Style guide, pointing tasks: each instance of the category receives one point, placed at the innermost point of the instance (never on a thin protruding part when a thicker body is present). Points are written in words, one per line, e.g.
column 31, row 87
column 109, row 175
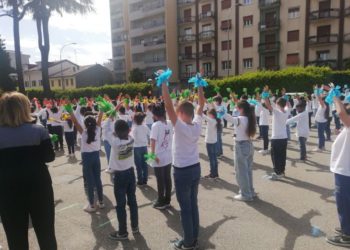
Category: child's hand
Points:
column 157, row 160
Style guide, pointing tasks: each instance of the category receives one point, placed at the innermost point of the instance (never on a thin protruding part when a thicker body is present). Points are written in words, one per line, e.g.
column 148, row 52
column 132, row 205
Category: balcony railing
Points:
column 185, row 2
column 187, row 75
column 207, row 54
column 269, row 47
column 269, row 25
column 152, row 43
column 332, row 63
column 206, row 15
column 152, row 25
column 153, row 6
column 265, row 4
column 206, row 35
column 187, row 57
column 209, row 74
column 185, row 20
column 187, row 38
column 347, row 38
column 321, row 40
column 155, row 60
column 324, row 14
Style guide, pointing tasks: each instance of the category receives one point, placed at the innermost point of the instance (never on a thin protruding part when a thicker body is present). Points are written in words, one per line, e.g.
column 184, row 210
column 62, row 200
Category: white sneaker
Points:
column 109, row 171
column 263, row 152
column 317, row 150
column 276, row 177
column 101, row 205
column 89, row 209
column 239, row 197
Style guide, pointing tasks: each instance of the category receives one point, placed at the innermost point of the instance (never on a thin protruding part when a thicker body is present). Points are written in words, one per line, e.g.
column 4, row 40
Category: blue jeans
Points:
column 219, row 149
column 186, row 185
column 265, row 135
column 336, row 120
column 244, row 152
column 342, row 196
column 321, row 127
column 213, row 160
column 141, row 164
column 107, row 149
column 125, row 187
column 288, row 132
column 302, row 144
column 92, row 174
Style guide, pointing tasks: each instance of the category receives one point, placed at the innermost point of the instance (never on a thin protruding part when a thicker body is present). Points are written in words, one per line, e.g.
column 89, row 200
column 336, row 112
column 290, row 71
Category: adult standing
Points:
column 25, row 148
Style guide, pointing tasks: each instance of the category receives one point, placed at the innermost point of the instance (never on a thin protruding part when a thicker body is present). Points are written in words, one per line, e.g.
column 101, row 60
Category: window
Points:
column 247, row 2
column 226, row 24
column 248, row 63
column 226, row 64
column 71, row 82
column 206, row 8
column 322, row 55
column 292, row 59
column 59, row 83
column 67, row 83
column 225, row 4
column 206, row 47
column 26, row 84
column 33, row 83
column 188, row 31
column 189, row 68
column 206, row 27
column 207, row 69
column 40, row 83
column 73, row 69
column 294, row 13
column 293, row 36
column 188, row 50
column 247, row 21
column 247, row 42
column 52, row 83
column 226, row 45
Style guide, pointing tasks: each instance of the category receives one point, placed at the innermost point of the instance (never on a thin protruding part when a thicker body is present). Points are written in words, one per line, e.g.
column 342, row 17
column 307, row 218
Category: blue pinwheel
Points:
column 334, row 92
column 265, row 95
column 162, row 77
column 198, row 81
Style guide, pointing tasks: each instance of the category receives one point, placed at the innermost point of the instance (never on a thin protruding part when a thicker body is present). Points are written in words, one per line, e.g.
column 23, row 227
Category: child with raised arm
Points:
column 187, row 172
column 340, row 166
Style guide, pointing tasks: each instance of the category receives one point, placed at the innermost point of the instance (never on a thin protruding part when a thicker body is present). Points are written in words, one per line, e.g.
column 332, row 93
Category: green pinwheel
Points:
column 150, row 158
column 217, row 89
column 104, row 105
column 54, row 138
column 186, row 93
column 82, row 101
column 173, row 96
column 257, row 90
column 68, row 108
column 225, row 99
column 229, row 90
column 210, row 100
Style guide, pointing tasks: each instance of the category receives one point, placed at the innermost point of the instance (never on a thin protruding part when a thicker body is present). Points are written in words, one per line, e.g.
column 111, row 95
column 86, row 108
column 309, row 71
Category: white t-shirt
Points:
column 122, row 151
column 140, row 133
column 162, row 133
column 125, row 117
column 185, row 143
column 264, row 116
column 240, row 125
column 93, row 146
column 107, row 125
column 320, row 114
column 66, row 127
column 279, row 120
column 211, row 134
column 340, row 157
column 55, row 118
column 309, row 106
column 149, row 118
column 302, row 120
column 257, row 109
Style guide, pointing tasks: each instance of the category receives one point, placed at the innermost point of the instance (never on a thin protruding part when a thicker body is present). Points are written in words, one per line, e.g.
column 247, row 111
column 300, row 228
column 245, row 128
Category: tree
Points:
column 136, row 75
column 42, row 10
column 16, row 9
column 6, row 84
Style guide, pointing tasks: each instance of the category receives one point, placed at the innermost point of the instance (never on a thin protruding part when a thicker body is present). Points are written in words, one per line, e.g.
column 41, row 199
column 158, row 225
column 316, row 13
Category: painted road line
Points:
column 68, row 207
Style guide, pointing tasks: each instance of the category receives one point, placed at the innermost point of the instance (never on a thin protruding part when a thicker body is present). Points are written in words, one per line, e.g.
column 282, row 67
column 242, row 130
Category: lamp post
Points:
column 64, row 46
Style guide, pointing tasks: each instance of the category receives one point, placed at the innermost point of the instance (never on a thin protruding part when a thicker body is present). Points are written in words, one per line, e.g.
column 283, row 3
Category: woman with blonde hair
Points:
column 25, row 148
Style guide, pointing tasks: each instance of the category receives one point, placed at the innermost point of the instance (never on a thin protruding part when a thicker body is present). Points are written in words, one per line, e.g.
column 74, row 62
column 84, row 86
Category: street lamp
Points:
column 64, row 46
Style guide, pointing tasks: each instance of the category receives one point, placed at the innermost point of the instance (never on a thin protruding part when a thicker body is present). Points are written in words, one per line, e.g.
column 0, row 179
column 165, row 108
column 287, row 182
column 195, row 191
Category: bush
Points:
column 113, row 91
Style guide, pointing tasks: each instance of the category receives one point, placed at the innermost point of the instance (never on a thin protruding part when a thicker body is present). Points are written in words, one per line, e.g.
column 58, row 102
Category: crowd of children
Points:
column 164, row 133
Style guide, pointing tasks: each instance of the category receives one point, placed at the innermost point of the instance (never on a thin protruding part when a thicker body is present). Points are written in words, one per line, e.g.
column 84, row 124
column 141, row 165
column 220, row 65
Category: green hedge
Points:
column 113, row 91
column 294, row 79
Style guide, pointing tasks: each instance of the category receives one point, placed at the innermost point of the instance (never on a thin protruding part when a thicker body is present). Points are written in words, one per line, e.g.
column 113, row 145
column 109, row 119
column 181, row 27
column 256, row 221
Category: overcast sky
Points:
column 91, row 32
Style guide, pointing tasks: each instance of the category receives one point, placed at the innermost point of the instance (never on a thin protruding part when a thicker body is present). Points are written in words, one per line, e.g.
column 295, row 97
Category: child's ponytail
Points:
column 90, row 124
column 249, row 112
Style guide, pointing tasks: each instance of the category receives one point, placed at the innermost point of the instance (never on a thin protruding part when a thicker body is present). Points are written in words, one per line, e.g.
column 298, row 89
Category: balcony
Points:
column 153, row 27
column 187, row 75
column 207, row 35
column 186, row 20
column 207, row 54
column 347, row 38
column 154, row 45
column 324, row 14
column 185, row 2
column 206, row 15
column 187, row 38
column 209, row 74
column 187, row 57
column 269, row 47
column 265, row 26
column 154, row 61
column 332, row 63
column 269, row 4
column 323, row 40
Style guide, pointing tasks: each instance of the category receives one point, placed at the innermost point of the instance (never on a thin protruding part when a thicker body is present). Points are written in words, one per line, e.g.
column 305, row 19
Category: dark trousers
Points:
column 92, row 174
column 265, row 135
column 70, row 140
column 342, row 196
column 24, row 200
column 186, row 185
column 58, row 130
column 257, row 122
column 336, row 120
column 279, row 155
column 302, row 144
column 125, row 192
column 164, row 183
column 213, row 159
column 141, row 164
column 321, row 127
column 310, row 116
column 219, row 149
column 328, row 128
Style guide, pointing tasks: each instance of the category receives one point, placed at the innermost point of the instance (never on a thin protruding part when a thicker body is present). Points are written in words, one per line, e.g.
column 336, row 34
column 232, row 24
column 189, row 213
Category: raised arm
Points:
column 268, row 104
column 201, row 101
column 343, row 115
column 99, row 119
column 169, row 104
column 76, row 123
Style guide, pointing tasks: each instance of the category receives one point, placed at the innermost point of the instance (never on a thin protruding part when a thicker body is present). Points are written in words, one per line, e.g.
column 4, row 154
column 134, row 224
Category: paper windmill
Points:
column 334, row 92
column 68, row 108
column 150, row 158
column 163, row 77
column 198, row 81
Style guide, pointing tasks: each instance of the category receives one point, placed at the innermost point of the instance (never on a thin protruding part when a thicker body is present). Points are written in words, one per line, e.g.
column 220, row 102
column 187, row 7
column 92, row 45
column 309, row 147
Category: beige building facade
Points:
column 228, row 37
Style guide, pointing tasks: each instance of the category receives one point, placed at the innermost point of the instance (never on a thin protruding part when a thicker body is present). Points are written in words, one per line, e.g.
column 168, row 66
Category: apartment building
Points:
column 229, row 37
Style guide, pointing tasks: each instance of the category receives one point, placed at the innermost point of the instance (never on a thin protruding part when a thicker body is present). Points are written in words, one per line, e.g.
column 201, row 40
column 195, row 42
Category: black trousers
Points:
column 21, row 202
column 164, row 183
column 265, row 135
column 279, row 155
column 70, row 140
column 58, row 130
